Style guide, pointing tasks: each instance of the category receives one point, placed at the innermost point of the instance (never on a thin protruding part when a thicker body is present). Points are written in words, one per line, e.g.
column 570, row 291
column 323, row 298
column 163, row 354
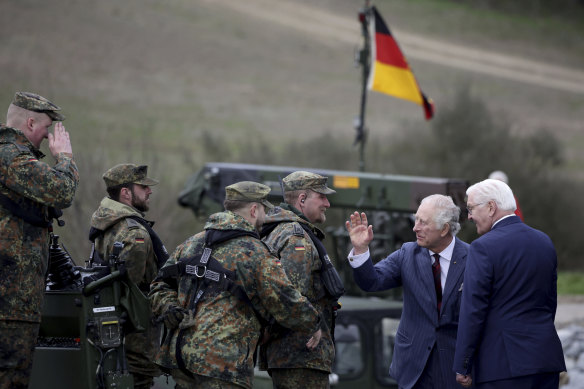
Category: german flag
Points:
column 390, row 72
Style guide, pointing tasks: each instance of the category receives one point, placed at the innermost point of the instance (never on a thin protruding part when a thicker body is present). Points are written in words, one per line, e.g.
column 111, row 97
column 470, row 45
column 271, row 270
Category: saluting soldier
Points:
column 217, row 290
column 29, row 188
column 120, row 218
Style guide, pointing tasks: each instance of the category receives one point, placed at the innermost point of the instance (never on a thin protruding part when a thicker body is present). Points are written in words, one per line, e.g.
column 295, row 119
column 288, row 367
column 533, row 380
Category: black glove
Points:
column 174, row 316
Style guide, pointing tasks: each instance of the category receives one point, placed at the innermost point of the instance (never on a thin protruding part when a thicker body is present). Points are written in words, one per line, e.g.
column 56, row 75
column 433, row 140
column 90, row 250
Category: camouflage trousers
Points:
column 17, row 344
column 140, row 349
column 196, row 381
column 299, row 379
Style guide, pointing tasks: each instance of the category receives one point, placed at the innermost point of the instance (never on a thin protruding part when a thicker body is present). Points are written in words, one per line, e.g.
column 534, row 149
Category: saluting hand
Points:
column 360, row 233
column 59, row 141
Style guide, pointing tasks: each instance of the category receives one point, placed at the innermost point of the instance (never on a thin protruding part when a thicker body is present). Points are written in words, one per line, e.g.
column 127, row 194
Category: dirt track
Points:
column 331, row 28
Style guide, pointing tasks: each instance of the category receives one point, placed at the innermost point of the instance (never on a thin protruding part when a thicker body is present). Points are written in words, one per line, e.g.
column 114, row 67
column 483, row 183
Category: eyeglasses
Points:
column 471, row 207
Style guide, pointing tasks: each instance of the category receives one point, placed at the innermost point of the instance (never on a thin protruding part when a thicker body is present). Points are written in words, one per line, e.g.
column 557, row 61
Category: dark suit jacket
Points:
column 420, row 328
column 509, row 305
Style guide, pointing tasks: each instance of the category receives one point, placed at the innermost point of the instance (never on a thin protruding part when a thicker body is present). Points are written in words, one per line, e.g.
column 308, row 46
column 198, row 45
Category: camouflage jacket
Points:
column 300, row 259
column 24, row 248
column 220, row 339
column 138, row 253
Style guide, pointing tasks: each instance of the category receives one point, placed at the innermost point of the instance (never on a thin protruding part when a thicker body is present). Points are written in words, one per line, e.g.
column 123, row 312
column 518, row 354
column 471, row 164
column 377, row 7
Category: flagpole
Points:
column 364, row 59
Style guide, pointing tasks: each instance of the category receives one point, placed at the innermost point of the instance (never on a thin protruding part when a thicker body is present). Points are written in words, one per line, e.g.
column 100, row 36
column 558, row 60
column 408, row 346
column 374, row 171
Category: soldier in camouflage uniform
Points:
column 212, row 338
column 120, row 218
column 28, row 189
column 288, row 363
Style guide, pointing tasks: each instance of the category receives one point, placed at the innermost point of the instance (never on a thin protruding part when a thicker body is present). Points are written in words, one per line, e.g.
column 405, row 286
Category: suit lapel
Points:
column 455, row 271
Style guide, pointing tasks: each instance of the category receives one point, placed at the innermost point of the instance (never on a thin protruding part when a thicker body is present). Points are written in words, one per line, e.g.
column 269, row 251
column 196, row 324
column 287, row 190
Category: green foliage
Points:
column 570, row 283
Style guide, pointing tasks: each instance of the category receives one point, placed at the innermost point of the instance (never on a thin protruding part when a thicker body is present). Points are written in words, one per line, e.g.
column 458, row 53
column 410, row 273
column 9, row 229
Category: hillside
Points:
column 144, row 80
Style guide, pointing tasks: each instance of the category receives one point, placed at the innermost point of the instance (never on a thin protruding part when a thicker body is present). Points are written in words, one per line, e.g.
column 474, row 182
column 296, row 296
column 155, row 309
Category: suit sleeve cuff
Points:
column 358, row 259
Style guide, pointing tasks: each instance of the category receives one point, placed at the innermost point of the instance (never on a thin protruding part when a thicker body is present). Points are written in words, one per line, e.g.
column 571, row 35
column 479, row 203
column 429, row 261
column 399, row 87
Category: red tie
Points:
column 437, row 283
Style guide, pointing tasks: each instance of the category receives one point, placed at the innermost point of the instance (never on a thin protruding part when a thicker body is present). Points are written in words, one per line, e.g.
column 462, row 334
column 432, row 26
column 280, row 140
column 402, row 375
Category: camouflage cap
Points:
column 248, row 191
column 306, row 180
column 34, row 102
column 128, row 173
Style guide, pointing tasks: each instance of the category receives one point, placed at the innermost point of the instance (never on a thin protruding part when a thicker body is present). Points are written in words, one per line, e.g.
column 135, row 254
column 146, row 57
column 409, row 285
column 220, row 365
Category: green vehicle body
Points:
column 365, row 326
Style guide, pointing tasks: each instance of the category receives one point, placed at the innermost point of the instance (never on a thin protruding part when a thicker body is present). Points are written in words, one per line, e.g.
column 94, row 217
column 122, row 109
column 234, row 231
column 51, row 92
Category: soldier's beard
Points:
column 140, row 204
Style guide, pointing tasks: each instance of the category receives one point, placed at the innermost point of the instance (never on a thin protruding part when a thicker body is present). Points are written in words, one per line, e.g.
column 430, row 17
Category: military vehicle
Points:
column 367, row 323
column 88, row 309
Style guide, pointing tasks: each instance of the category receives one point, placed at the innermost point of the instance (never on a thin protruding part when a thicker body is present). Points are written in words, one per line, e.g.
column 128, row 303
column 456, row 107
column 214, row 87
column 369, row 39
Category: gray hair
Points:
column 445, row 212
column 493, row 190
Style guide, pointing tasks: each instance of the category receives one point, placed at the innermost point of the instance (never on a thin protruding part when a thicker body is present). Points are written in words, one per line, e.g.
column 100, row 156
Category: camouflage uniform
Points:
column 24, row 248
column 112, row 217
column 218, row 337
column 284, row 352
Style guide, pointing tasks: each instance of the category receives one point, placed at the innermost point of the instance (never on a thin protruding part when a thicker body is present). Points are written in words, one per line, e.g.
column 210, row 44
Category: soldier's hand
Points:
column 314, row 340
column 59, row 141
column 360, row 233
column 173, row 316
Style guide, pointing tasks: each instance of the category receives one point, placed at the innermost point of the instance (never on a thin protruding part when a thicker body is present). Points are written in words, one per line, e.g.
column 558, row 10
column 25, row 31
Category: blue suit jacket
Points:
column 420, row 327
column 509, row 305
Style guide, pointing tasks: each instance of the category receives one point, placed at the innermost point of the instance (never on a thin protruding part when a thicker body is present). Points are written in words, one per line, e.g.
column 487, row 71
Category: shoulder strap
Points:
column 159, row 249
column 29, row 216
column 205, row 267
column 329, row 276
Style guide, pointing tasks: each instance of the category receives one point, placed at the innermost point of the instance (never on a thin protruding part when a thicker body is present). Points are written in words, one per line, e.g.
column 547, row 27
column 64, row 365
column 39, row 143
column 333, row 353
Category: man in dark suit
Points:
column 506, row 336
column 425, row 340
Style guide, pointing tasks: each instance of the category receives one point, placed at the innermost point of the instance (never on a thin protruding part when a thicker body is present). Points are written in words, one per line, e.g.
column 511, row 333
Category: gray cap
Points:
column 306, row 180
column 249, row 191
column 128, row 173
column 36, row 103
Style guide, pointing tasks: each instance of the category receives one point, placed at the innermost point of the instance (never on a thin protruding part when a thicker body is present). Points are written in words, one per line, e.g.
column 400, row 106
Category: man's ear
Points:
column 445, row 230
column 253, row 210
column 125, row 194
column 30, row 123
column 302, row 197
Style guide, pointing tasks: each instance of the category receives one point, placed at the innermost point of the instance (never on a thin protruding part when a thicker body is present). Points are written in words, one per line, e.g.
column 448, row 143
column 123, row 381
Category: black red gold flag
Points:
column 390, row 72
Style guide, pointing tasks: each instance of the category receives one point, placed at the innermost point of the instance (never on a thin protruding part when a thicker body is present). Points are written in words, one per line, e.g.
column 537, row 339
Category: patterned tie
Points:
column 437, row 283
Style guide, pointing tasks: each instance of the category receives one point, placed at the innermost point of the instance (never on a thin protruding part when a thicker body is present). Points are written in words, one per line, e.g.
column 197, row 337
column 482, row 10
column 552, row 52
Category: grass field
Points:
column 571, row 283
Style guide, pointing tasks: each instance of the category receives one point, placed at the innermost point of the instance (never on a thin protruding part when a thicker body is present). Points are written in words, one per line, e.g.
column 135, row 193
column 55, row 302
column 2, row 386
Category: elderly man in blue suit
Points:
column 506, row 336
column 432, row 288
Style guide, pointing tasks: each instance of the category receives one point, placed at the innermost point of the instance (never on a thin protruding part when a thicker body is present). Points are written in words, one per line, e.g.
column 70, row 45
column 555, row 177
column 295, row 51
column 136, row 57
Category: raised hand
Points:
column 360, row 232
column 59, row 141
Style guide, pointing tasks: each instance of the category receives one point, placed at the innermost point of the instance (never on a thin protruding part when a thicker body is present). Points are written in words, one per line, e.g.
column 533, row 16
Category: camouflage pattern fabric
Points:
column 24, row 248
column 222, row 338
column 248, row 191
column 138, row 253
column 299, row 258
column 299, row 379
column 302, row 180
column 33, row 102
column 141, row 265
column 200, row 382
column 17, row 343
column 128, row 173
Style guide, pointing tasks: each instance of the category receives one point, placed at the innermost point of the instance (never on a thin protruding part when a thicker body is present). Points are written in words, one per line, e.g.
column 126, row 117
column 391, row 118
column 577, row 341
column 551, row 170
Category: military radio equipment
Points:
column 366, row 326
column 84, row 321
